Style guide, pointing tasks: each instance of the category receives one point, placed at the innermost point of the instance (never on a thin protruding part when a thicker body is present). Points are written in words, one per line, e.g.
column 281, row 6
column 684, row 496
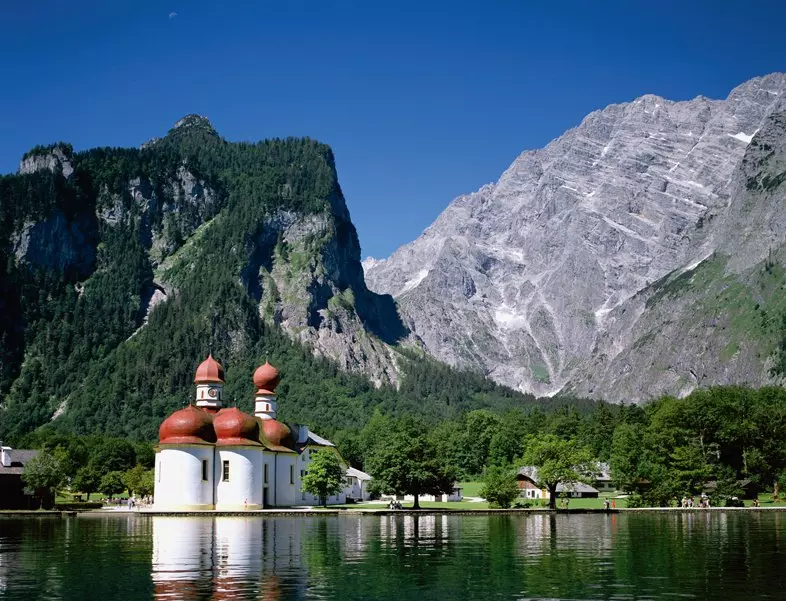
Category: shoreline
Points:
column 310, row 512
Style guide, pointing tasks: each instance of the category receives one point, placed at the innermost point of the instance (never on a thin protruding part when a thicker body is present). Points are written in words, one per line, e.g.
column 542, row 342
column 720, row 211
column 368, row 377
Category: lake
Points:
column 698, row 555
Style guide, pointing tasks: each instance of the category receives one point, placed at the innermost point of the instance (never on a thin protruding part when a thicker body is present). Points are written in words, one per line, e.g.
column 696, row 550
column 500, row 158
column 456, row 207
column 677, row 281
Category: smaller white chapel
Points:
column 215, row 457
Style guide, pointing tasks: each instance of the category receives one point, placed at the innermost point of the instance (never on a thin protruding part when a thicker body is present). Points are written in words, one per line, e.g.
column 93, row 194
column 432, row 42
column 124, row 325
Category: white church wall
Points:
column 178, row 478
column 286, row 488
column 243, row 489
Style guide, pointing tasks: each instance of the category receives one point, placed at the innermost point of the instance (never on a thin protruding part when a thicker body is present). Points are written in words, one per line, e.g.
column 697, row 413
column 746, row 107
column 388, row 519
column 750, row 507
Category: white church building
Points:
column 215, row 457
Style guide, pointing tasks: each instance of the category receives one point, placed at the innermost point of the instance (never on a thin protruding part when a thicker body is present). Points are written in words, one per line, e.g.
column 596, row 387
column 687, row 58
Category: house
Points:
column 750, row 490
column 13, row 493
column 215, row 457
column 603, row 480
column 527, row 479
column 357, row 485
column 454, row 496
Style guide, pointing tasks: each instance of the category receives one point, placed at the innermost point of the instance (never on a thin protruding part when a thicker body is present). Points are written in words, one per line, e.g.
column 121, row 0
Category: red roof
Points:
column 187, row 426
column 266, row 378
column 209, row 370
column 233, row 427
column 275, row 432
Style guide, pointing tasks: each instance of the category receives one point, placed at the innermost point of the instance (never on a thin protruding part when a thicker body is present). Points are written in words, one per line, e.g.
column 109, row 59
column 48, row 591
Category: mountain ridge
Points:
column 520, row 277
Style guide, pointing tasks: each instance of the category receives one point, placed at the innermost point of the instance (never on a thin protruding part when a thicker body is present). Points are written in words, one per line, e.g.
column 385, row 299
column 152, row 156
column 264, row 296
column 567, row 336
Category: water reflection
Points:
column 695, row 555
column 226, row 558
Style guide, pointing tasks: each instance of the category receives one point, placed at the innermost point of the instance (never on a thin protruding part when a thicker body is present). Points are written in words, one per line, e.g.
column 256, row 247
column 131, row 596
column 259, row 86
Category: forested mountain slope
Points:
column 121, row 268
column 638, row 254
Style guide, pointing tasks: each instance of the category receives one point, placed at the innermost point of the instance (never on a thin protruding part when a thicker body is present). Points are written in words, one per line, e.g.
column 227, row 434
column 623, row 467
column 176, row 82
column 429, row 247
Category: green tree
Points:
column 87, row 480
column 499, row 487
column 133, row 478
column 112, row 484
column 558, row 461
column 409, row 463
column 626, row 450
column 43, row 472
column 146, row 484
column 325, row 476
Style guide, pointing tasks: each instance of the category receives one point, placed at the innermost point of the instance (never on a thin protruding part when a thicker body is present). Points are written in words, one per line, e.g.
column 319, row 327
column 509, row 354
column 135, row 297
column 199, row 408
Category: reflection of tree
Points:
column 699, row 554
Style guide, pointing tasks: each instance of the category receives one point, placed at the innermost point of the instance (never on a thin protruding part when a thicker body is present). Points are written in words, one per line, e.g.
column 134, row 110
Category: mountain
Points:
column 120, row 268
column 640, row 253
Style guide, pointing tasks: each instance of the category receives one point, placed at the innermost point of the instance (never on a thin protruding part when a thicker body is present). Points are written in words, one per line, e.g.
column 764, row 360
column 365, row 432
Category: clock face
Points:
column 212, row 392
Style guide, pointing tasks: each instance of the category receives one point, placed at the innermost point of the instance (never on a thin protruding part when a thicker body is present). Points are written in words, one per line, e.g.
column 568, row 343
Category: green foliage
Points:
column 139, row 481
column 87, row 480
column 43, row 472
column 500, row 488
column 112, row 484
column 558, row 461
column 325, row 476
column 407, row 461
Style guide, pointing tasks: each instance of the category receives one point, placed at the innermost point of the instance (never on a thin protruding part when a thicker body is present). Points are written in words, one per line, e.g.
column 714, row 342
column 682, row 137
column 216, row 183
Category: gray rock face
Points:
column 56, row 159
column 527, row 277
column 305, row 272
column 57, row 243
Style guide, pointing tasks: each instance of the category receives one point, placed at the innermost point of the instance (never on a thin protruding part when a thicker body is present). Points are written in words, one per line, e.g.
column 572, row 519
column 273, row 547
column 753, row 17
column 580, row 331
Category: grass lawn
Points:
column 471, row 489
column 765, row 500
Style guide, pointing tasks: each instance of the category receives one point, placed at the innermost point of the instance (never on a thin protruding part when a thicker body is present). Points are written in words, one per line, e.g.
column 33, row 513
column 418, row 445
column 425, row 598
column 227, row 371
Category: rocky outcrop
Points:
column 542, row 278
column 57, row 159
column 59, row 242
column 305, row 273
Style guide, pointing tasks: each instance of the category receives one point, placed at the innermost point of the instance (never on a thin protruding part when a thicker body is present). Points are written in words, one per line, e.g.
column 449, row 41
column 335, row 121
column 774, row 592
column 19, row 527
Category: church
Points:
column 215, row 457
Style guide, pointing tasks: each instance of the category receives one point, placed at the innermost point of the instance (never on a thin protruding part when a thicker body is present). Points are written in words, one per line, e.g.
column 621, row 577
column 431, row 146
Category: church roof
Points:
column 209, row 371
column 318, row 440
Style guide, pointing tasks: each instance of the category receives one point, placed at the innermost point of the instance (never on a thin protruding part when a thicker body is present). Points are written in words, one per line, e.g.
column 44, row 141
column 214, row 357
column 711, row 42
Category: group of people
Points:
column 609, row 504
column 703, row 503
column 394, row 504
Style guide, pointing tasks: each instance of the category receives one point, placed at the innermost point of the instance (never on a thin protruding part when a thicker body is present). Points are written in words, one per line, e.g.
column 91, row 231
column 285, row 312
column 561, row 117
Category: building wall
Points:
column 244, row 488
column 178, row 478
column 286, row 490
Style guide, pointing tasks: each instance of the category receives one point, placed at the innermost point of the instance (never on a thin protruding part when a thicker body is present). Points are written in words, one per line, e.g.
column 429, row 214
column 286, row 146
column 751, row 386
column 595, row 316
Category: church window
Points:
column 204, row 469
column 226, row 471
column 265, row 474
column 291, row 474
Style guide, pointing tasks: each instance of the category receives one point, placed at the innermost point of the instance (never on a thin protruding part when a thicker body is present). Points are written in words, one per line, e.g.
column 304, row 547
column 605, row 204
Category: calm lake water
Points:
column 740, row 555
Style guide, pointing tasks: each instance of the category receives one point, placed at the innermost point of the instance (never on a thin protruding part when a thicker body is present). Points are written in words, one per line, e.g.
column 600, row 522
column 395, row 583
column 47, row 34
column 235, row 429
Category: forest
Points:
column 83, row 361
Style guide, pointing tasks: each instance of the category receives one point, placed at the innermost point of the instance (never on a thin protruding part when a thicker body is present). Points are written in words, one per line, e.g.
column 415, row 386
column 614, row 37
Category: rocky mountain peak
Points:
column 57, row 158
column 524, row 278
column 194, row 121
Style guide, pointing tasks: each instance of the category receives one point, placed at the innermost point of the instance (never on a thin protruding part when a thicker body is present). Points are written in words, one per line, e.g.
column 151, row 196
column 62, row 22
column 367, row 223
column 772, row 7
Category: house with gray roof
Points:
column 529, row 484
column 13, row 493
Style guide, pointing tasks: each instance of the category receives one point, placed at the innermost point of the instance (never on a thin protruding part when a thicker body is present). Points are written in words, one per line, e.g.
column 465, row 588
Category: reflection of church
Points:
column 212, row 457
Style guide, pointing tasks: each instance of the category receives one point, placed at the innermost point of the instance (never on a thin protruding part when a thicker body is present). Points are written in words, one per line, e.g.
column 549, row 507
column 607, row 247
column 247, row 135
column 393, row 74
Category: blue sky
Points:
column 421, row 101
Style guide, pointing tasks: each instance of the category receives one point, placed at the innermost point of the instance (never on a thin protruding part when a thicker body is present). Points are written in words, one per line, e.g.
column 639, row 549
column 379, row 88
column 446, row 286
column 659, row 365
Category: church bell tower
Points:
column 209, row 380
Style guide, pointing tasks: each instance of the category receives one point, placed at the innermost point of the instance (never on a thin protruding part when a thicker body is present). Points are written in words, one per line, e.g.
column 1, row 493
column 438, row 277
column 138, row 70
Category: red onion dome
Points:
column 232, row 426
column 275, row 432
column 266, row 378
column 209, row 370
column 187, row 426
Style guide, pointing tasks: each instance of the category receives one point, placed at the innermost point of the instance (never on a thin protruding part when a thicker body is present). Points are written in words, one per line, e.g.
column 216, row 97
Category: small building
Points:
column 454, row 496
column 13, row 493
column 357, row 486
column 750, row 490
column 603, row 480
column 527, row 479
